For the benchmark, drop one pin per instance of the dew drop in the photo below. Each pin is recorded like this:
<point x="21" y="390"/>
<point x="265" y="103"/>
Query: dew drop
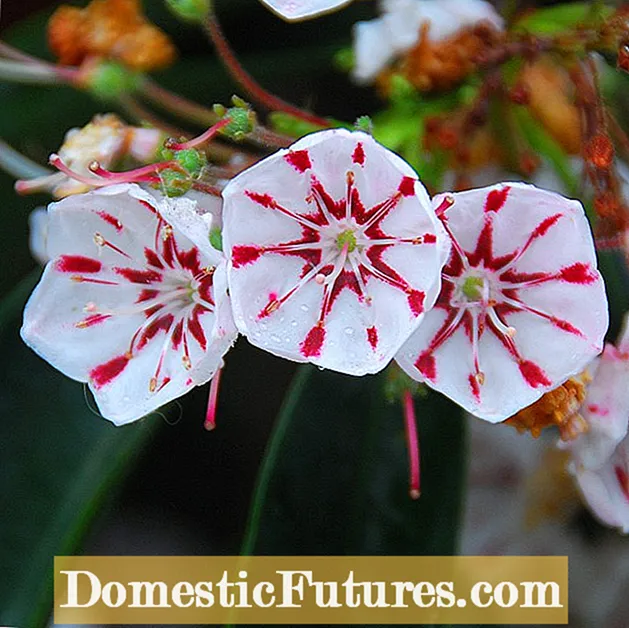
<point x="349" y="331"/>
<point x="293" y="323"/>
<point x="304" y="307"/>
<point x="275" y="338"/>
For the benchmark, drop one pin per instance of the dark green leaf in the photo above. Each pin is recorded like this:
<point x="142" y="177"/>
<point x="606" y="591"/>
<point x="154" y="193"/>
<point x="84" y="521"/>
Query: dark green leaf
<point x="335" y="477"/>
<point x="59" y="463"/>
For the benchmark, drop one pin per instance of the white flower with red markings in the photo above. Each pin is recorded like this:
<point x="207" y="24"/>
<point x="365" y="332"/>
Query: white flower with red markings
<point x="523" y="306"/>
<point x="334" y="250"/>
<point x="134" y="300"/>
<point x="606" y="489"/>
<point x="606" y="407"/>
<point x="297" y="10"/>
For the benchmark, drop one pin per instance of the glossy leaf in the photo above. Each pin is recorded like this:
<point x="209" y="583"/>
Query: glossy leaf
<point x="335" y="476"/>
<point x="59" y="464"/>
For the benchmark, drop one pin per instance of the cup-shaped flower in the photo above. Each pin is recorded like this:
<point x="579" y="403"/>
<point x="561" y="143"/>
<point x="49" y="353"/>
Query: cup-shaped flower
<point x="334" y="250"/>
<point x="522" y="307"/>
<point x="606" y="407"/>
<point x="606" y="489"/>
<point x="134" y="300"/>
<point x="297" y="10"/>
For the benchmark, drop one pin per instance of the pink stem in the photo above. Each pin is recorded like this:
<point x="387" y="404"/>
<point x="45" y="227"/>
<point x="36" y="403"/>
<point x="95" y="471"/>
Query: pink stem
<point x="201" y="139"/>
<point x="412" y="443"/>
<point x="210" y="415"/>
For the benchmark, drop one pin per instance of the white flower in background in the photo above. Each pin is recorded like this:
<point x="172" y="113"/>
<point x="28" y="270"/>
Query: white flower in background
<point x="335" y="252"/>
<point x="378" y="42"/>
<point x="606" y="488"/>
<point x="106" y="139"/>
<point x="606" y="407"/>
<point x="134" y="300"/>
<point x="297" y="10"/>
<point x="522" y="307"/>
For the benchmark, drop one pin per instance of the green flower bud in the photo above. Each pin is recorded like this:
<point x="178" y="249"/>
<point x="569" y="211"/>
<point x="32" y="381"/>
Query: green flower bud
<point x="175" y="183"/>
<point x="191" y="160"/>
<point x="109" y="80"/>
<point x="190" y="10"/>
<point x="364" y="124"/>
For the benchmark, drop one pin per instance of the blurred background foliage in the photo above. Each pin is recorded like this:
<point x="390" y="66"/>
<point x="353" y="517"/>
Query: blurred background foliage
<point x="334" y="478"/>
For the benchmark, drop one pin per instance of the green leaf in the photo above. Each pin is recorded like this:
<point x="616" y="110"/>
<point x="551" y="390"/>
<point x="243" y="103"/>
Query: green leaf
<point x="335" y="476"/>
<point x="563" y="17"/>
<point x="60" y="462"/>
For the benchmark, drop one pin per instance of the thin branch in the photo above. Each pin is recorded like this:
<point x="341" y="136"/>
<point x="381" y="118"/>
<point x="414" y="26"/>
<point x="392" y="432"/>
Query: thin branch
<point x="19" y="166"/>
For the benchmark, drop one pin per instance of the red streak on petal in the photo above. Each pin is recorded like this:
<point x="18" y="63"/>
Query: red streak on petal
<point x="148" y="206"/>
<point x="77" y="264"/>
<point x="533" y="374"/>
<point x="372" y="336"/>
<point x="107" y="372"/>
<point x="623" y="480"/>
<point x="266" y="200"/>
<point x="139" y="276"/>
<point x="566" y="326"/>
<point x="112" y="220"/>
<point x="496" y="199"/>
<point x="416" y="301"/>
<point x="177" y="335"/>
<point x="407" y="186"/>
<point x="595" y="409"/>
<point x="346" y="279"/>
<point x="189" y="260"/>
<point x="243" y="255"/>
<point x="577" y="273"/>
<point x="474" y="386"/>
<point x="358" y="157"/>
<point x="311" y="346"/>
<point x="545" y="225"/>
<point x="163" y="323"/>
<point x="195" y="327"/>
<point x="429" y="238"/>
<point x="94" y="319"/>
<point x="147" y="295"/>
<point x="299" y="159"/>
<point x="426" y="366"/>
<point x="152" y="258"/>
<point x="484" y="247"/>
<point x="336" y="209"/>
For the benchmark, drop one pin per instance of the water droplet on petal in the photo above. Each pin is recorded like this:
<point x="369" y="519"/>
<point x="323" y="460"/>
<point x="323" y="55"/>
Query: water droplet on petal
<point x="275" y="338"/>
<point x="349" y="331"/>
<point x="293" y="323"/>
<point x="304" y="307"/>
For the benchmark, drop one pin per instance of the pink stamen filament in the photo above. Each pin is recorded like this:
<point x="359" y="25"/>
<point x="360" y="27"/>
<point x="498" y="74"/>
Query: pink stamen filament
<point x="380" y="213"/>
<point x="412" y="442"/>
<point x="106" y="177"/>
<point x="201" y="139"/>
<point x="210" y="415"/>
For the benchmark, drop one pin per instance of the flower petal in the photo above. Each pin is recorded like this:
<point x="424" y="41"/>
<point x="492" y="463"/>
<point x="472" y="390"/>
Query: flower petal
<point x="334" y="250"/>
<point x="127" y="302"/>
<point x="532" y="251"/>
<point x="297" y="10"/>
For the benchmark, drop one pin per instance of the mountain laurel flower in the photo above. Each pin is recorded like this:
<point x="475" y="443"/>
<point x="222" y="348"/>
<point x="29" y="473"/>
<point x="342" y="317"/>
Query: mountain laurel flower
<point x="523" y="306"/>
<point x="605" y="409"/>
<point x="378" y="42"/>
<point x="297" y="10"/>
<point x="335" y="252"/>
<point x="134" y="300"/>
<point x="606" y="489"/>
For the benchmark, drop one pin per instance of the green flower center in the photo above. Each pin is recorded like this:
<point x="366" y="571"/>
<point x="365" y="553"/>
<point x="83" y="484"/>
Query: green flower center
<point x="472" y="288"/>
<point x="348" y="238"/>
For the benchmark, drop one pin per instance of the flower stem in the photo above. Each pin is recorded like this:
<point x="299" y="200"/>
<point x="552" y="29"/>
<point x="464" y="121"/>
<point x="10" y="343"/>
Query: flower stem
<point x="19" y="166"/>
<point x="31" y="73"/>
<point x="247" y="82"/>
<point x="177" y="105"/>
<point x="210" y="415"/>
<point x="412" y="443"/>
